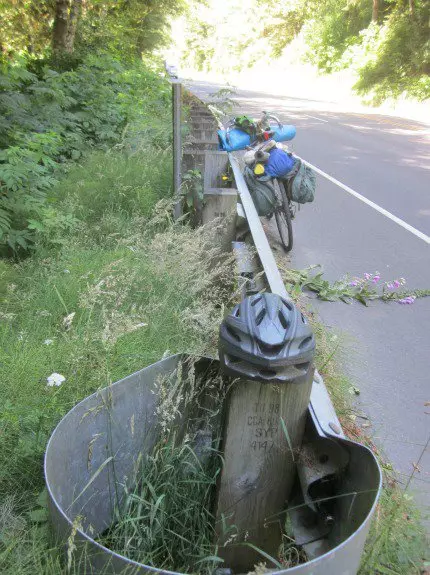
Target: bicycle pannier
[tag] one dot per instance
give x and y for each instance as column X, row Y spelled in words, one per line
column 262, row 192
column 301, row 182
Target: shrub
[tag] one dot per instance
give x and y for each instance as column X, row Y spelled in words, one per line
column 51, row 119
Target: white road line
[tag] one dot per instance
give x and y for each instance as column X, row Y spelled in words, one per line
column 314, row 118
column 382, row 211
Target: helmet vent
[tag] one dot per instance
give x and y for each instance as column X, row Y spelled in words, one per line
column 260, row 316
column 283, row 320
column 256, row 300
column 303, row 318
column 303, row 366
column 267, row 372
column 236, row 311
column 270, row 349
column 232, row 334
column 288, row 304
column 305, row 342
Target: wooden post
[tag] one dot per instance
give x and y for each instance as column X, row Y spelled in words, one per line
column 219, row 201
column 259, row 466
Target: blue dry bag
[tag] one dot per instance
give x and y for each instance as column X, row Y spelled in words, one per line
column 235, row 139
column 279, row 163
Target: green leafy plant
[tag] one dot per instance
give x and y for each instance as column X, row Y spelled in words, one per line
column 54, row 118
column 362, row 289
column 192, row 191
column 221, row 102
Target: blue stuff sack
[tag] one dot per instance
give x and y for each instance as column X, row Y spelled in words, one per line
column 279, row 164
column 283, row 133
column 232, row 140
column 235, row 139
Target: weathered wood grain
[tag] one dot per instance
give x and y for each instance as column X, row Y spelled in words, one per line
column 259, row 466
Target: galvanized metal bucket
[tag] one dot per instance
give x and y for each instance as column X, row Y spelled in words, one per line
column 99, row 443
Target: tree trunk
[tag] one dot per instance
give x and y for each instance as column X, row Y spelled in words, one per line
column 375, row 10
column 59, row 32
column 411, row 8
column 75, row 14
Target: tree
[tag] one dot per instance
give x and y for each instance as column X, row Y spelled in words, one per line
column 74, row 16
column 129, row 27
column 67, row 14
column 375, row 10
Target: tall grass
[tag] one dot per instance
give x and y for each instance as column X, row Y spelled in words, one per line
column 108, row 295
column 166, row 520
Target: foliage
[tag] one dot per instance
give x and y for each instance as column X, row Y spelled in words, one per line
column 222, row 36
column 123, row 287
column 362, row 289
column 124, row 28
column 127, row 27
column 25, row 26
column 390, row 56
column 398, row 61
column 49, row 120
column 334, row 28
column 396, row 541
column 192, row 191
column 172, row 501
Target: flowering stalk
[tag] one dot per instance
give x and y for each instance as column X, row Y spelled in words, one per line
column 363, row 288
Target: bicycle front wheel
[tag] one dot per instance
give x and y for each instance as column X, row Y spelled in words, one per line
column 283, row 218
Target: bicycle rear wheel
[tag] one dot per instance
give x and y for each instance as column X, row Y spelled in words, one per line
column 283, row 217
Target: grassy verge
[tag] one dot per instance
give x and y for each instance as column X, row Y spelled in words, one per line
column 121, row 291
column 100, row 298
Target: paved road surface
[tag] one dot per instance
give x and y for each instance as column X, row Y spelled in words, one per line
column 387, row 355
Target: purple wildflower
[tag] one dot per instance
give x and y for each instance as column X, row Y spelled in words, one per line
column 353, row 284
column 376, row 279
column 407, row 300
column 396, row 283
column 367, row 276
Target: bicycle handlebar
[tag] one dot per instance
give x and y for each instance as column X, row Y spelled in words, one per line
column 268, row 116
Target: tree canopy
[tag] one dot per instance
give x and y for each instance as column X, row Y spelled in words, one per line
column 129, row 27
column 386, row 42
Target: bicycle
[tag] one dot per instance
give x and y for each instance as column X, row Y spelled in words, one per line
column 262, row 133
column 284, row 214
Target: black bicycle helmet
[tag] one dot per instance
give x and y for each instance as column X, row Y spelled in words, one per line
column 266, row 338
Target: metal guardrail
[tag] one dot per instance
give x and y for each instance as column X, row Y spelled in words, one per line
column 261, row 242
column 365, row 480
column 321, row 404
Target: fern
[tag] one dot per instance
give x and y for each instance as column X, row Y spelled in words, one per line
column 5, row 221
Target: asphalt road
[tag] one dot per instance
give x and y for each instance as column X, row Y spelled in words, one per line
column 387, row 346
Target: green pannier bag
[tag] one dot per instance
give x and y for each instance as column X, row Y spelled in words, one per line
column 262, row 192
column 301, row 183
